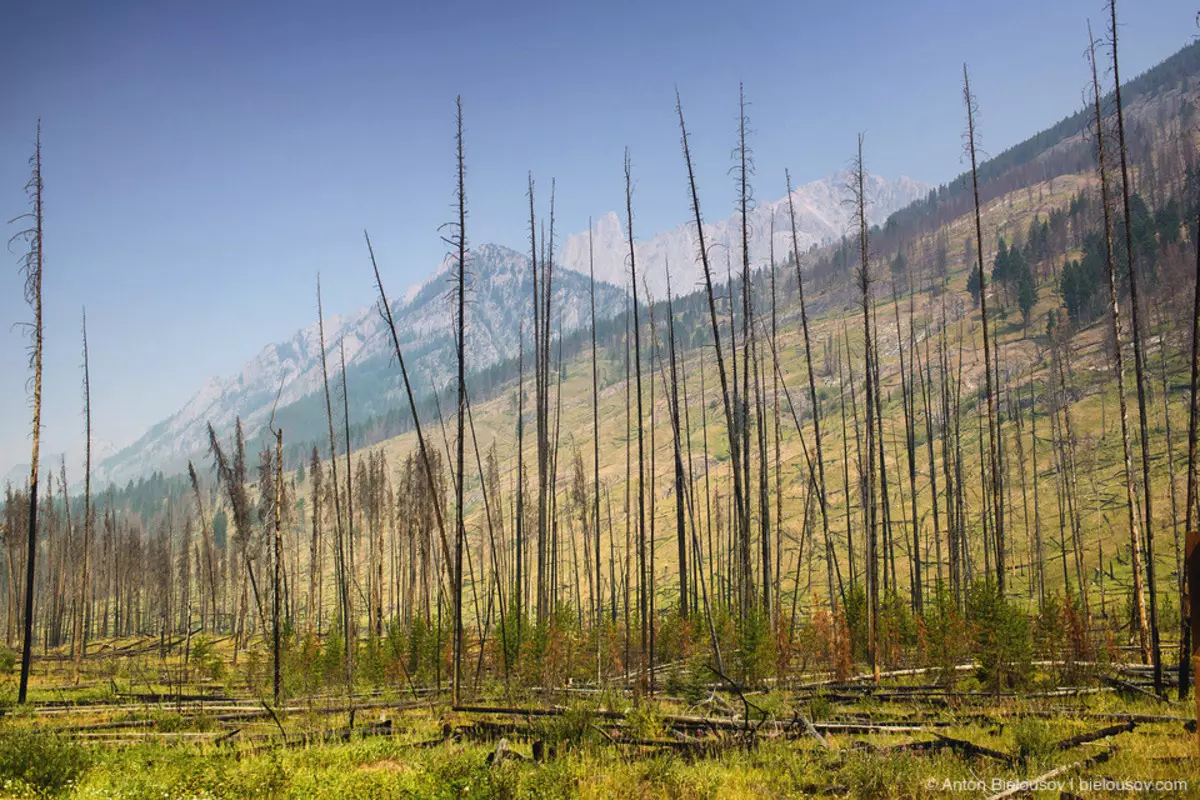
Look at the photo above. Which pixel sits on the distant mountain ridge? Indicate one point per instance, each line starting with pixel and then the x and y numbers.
pixel 499 293
pixel 824 212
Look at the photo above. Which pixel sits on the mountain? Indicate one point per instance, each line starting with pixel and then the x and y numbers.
pixel 499 293
pixel 824 212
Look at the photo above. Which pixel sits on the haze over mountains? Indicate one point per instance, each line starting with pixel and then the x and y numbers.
pixel 824 212
pixel 501 293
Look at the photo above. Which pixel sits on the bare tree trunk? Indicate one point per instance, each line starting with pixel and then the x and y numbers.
pixel 814 403
pixel 643 594
pixel 316 561
pixel 459 238
pixel 80 638
pixel 1185 647
pixel 276 644
pixel 1139 365
pixel 680 481
pixel 1139 596
pixel 996 492
pixel 519 523
pixel 31 268
pixel 864 283
pixel 742 523
pixel 595 441
pixel 340 546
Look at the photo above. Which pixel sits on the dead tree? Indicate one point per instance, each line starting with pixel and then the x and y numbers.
pixel 595 434
pixel 812 398
pixel 458 240
pixel 80 635
pixel 351 579
pixel 995 490
pixel 680 480
pixel 316 560
pixel 1139 361
pixel 643 595
pixel 742 523
pixel 1185 647
pixel 31 269
pixel 339 543
pixel 277 628
pixel 385 311
pixel 864 284
pixel 745 168
pixel 1139 595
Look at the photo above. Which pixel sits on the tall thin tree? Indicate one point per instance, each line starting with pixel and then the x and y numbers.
pixel 31 269
pixel 996 488
pixel 1139 359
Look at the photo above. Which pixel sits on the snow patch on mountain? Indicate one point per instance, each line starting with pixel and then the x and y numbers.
pixel 824 212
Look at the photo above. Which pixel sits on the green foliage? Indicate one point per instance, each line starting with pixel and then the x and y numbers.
pixel 1002 640
pixel 8 660
pixel 1034 740
pixel 644 720
pixel 897 629
pixel 873 776
pixel 206 660
pixel 943 634
pixel 756 647
pixel 43 762
pixel 855 609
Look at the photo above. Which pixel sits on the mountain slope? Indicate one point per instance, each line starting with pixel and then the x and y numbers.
pixel 499 294
pixel 824 211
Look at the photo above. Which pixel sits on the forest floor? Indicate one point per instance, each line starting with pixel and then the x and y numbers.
pixel 133 728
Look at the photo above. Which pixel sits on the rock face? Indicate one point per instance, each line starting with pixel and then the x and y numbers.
pixel 500 295
pixel 824 212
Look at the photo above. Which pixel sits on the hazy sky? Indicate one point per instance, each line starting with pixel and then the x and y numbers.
pixel 202 161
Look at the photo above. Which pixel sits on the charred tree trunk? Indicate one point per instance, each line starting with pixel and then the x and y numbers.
pixel 1139 595
pixel 31 268
pixel 1139 364
pixel 995 492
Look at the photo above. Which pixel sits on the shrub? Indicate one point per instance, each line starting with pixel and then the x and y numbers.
pixel 204 658
pixel 942 635
pixel 1033 739
pixel 46 763
pixel 8 660
pixel 1002 638
pixel 756 653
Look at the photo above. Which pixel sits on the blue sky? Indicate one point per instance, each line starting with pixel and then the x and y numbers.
pixel 204 160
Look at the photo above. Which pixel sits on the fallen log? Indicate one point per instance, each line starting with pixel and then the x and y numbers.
pixel 1130 688
pixel 972 749
pixel 1026 787
pixel 1103 733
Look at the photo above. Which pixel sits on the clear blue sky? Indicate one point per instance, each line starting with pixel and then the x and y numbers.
pixel 204 160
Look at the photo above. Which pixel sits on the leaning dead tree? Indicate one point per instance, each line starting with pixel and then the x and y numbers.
pixel 385 311
pixel 814 402
pixel 996 494
pixel 742 525
pixel 31 269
